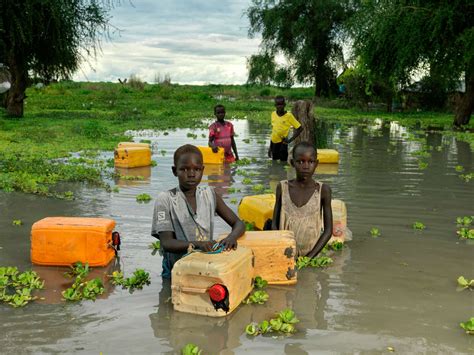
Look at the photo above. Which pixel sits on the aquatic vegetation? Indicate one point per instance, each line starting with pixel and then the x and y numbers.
pixel 143 198
pixel 319 261
pixel 375 232
pixel 465 233
pixel 467 177
pixel 268 191
pixel 16 288
pixel 153 163
pixel 81 289
pixel 422 165
pixel 191 135
pixel 464 221
pixel 232 190
pixel 468 326
pixel 259 282
pixel 246 181
pixel 419 226
pixel 258 297
pixel 92 289
pixel 249 226
pixel 116 189
pixel 155 247
pixel 233 201
pixel 459 168
pixel 145 141
pixel 242 162
pixel 337 245
pixel 246 140
pixel 191 349
pixel 17 222
pixel 284 323
pixel 139 279
pixel 78 269
pixel 258 188
pixel 464 283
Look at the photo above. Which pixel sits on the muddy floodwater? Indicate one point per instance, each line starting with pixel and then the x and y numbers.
pixel 395 292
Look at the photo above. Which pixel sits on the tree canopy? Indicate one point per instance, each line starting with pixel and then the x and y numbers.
pixel 395 39
pixel 307 32
pixel 49 38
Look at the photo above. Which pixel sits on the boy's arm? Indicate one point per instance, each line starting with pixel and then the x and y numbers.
pixel 327 215
pixel 211 139
pixel 296 133
pixel 238 227
pixel 277 209
pixel 173 245
pixel 234 148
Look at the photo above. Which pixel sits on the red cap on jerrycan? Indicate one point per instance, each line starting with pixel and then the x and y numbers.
pixel 219 296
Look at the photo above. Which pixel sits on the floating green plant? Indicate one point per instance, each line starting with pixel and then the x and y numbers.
pixel 375 232
pixel 284 323
pixel 465 233
pixel 143 198
pixel 319 261
pixel 468 326
pixel 258 297
pixel 246 181
pixel 233 201
pixel 418 226
pixel 336 245
pixel 259 282
pixel 139 279
pixel 464 221
pixel 249 226
pixel 191 349
pixel 464 283
pixel 17 222
pixel 258 188
pixel 155 247
pixel 459 168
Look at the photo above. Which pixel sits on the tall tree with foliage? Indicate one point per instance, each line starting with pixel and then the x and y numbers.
pixel 306 32
pixel 49 38
pixel 395 38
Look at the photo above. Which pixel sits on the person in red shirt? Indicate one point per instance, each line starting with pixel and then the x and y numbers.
pixel 221 134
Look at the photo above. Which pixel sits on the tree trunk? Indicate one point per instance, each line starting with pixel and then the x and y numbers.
pixel 303 110
pixel 466 104
pixel 16 94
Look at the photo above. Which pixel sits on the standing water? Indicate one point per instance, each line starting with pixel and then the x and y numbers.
pixel 394 292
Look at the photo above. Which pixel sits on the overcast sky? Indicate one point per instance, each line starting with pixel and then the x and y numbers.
pixel 195 42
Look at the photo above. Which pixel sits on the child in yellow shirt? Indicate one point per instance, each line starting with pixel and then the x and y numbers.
pixel 282 121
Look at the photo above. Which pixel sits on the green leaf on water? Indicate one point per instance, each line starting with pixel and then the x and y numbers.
pixel 468 326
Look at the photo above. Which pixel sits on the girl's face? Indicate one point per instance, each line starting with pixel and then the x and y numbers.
pixel 305 163
pixel 188 170
pixel 220 113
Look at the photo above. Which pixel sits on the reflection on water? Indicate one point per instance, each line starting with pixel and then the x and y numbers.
pixel 397 290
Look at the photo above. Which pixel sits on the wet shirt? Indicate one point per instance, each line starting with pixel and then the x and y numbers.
pixel 305 221
pixel 173 213
pixel 222 135
pixel 281 125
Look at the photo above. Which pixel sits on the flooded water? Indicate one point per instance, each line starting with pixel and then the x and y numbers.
pixel 397 290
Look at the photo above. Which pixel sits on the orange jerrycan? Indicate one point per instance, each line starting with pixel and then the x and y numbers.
pixel 133 144
pixel 212 284
pixel 274 253
pixel 63 241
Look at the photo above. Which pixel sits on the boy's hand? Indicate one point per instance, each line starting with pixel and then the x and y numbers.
pixel 215 149
pixel 229 243
pixel 285 140
pixel 270 152
pixel 204 245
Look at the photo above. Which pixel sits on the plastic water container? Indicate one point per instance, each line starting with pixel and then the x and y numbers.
pixel 194 276
pixel 62 241
pixel 132 157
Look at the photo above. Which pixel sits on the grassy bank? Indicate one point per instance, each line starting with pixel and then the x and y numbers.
pixel 72 117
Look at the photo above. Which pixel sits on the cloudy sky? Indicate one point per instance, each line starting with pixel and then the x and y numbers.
pixel 194 41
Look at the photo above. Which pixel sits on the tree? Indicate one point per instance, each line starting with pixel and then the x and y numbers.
pixel 395 38
pixel 49 38
pixel 306 32
pixel 261 69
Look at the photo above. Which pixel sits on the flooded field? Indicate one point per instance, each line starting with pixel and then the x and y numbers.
pixel 395 291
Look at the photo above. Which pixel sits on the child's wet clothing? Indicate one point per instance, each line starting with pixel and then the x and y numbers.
pixel 173 213
pixel 222 135
pixel 305 221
